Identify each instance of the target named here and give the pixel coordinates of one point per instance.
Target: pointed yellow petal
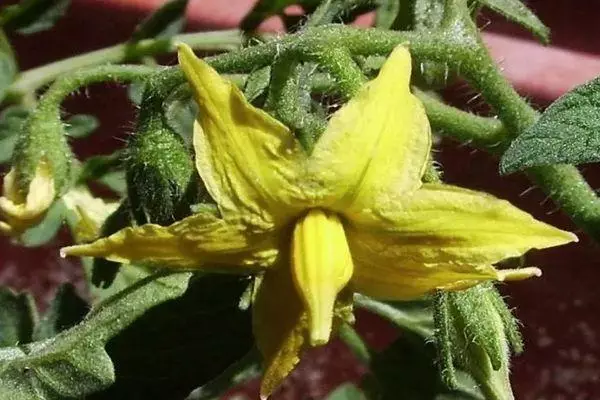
(442, 237)
(279, 324)
(322, 266)
(247, 159)
(385, 279)
(23, 213)
(191, 243)
(447, 224)
(379, 141)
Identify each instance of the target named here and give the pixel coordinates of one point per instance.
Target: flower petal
(322, 267)
(279, 323)
(248, 160)
(385, 279)
(379, 141)
(88, 212)
(23, 213)
(443, 224)
(191, 243)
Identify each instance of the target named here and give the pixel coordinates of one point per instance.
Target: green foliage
(66, 310)
(346, 391)
(81, 125)
(75, 363)
(407, 370)
(18, 317)
(257, 83)
(566, 133)
(516, 11)
(46, 230)
(180, 110)
(165, 22)
(8, 65)
(267, 8)
(32, 16)
(182, 343)
(11, 121)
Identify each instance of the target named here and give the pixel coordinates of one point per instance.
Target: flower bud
(160, 170)
(474, 332)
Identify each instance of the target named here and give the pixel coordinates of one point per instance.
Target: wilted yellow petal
(247, 159)
(279, 322)
(443, 224)
(90, 213)
(20, 212)
(322, 266)
(191, 243)
(378, 142)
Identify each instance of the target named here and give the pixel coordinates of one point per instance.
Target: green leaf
(135, 91)
(180, 111)
(182, 343)
(266, 8)
(32, 16)
(66, 310)
(387, 12)
(414, 316)
(516, 11)
(407, 370)
(81, 125)
(346, 391)
(11, 121)
(18, 317)
(8, 65)
(75, 363)
(568, 132)
(115, 181)
(257, 83)
(46, 230)
(165, 22)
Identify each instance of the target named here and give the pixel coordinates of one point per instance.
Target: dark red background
(559, 311)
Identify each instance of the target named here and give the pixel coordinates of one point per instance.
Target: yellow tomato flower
(22, 212)
(352, 216)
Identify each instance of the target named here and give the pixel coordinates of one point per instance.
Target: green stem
(34, 79)
(354, 342)
(289, 100)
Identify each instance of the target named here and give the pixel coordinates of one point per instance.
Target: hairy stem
(30, 81)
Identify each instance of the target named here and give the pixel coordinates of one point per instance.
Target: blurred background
(559, 311)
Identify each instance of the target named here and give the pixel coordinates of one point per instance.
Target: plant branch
(31, 80)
